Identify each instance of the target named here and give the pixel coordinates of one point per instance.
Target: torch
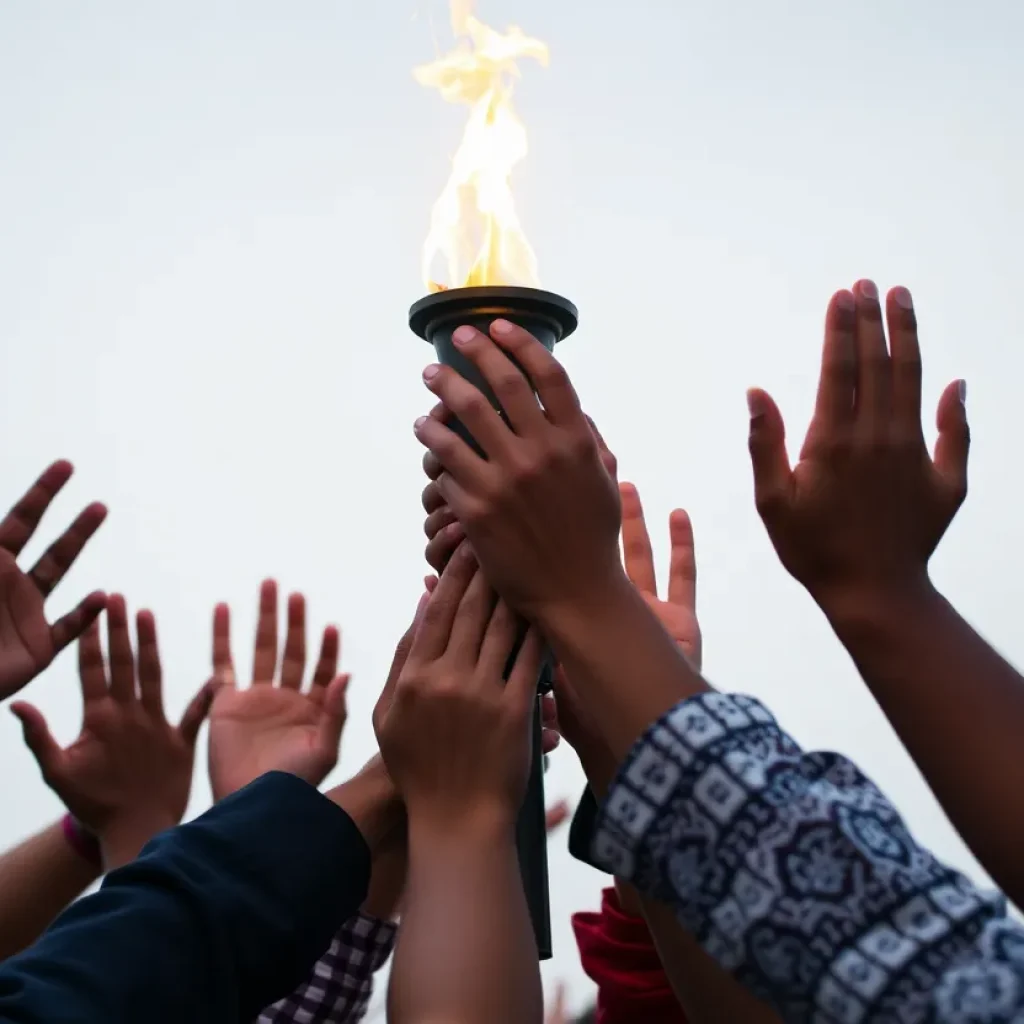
(549, 318)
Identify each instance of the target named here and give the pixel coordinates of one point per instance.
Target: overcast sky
(211, 215)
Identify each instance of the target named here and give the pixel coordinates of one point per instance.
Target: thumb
(196, 712)
(37, 735)
(954, 442)
(768, 456)
(334, 714)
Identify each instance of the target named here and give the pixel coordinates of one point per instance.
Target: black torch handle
(532, 844)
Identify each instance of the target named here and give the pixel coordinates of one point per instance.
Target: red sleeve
(617, 953)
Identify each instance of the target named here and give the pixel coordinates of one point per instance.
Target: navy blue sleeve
(215, 919)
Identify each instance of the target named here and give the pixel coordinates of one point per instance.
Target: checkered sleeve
(339, 989)
(801, 879)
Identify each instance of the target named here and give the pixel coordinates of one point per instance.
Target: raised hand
(129, 773)
(541, 510)
(267, 727)
(28, 643)
(678, 614)
(866, 505)
(455, 739)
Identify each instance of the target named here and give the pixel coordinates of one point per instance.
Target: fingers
(455, 456)
(38, 738)
(545, 373)
(767, 443)
(150, 679)
(441, 517)
(954, 440)
(431, 466)
(471, 621)
(91, 669)
(874, 369)
(327, 663)
(431, 640)
(20, 523)
(70, 627)
(119, 649)
(431, 497)
(837, 383)
(61, 554)
(557, 814)
(335, 712)
(223, 666)
(636, 542)
(521, 688)
(196, 712)
(401, 656)
(549, 740)
(439, 549)
(264, 662)
(472, 408)
(682, 572)
(906, 360)
(498, 642)
(505, 379)
(294, 661)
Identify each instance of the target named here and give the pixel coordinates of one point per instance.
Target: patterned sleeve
(799, 877)
(339, 989)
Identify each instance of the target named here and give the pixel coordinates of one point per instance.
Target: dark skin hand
(856, 522)
(28, 643)
(129, 773)
(542, 514)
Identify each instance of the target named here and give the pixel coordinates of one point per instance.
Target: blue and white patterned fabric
(798, 876)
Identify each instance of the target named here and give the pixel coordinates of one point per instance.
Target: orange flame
(474, 229)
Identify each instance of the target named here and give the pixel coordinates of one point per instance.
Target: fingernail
(431, 371)
(463, 335)
(845, 301)
(754, 406)
(502, 327)
(962, 391)
(868, 290)
(418, 425)
(902, 298)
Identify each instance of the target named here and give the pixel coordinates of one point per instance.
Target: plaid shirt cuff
(339, 989)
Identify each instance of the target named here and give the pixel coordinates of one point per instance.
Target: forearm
(622, 663)
(954, 702)
(38, 879)
(707, 993)
(466, 951)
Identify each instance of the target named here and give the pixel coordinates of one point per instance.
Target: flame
(474, 229)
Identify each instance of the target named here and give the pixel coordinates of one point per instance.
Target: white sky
(211, 224)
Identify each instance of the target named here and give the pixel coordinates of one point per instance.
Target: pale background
(210, 221)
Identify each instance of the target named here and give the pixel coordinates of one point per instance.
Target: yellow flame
(474, 229)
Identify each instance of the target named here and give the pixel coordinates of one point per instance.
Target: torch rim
(438, 308)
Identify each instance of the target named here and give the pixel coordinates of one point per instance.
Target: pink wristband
(82, 842)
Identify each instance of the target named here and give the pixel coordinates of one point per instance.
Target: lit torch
(491, 273)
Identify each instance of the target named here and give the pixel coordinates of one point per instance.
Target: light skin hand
(128, 775)
(456, 740)
(28, 643)
(270, 727)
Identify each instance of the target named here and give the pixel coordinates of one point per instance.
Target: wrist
(860, 609)
(82, 841)
(565, 620)
(484, 825)
(372, 802)
(121, 842)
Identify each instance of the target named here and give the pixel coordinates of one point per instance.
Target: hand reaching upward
(128, 774)
(678, 613)
(28, 643)
(271, 727)
(866, 505)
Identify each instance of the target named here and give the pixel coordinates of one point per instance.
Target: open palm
(270, 727)
(28, 643)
